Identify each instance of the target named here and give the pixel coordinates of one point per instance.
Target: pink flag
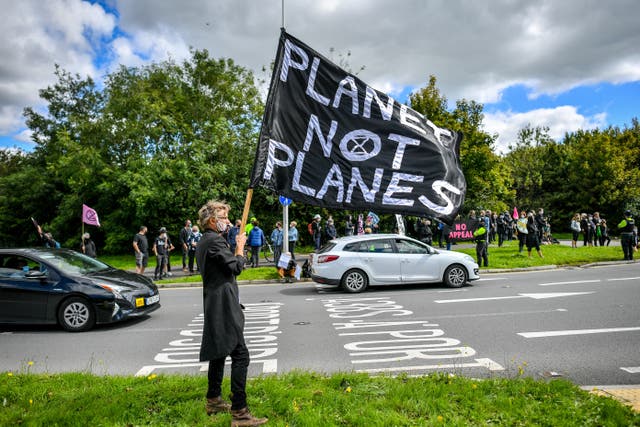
(515, 213)
(89, 216)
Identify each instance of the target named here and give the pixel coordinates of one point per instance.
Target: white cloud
(559, 120)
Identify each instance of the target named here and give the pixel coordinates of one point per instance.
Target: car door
(417, 263)
(378, 259)
(23, 295)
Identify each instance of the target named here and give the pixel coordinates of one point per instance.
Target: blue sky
(567, 65)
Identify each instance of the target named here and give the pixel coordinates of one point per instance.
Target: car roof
(366, 237)
(31, 251)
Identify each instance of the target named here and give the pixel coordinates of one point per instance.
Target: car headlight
(469, 258)
(114, 289)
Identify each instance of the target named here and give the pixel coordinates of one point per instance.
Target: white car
(355, 262)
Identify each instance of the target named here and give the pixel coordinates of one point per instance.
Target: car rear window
(327, 247)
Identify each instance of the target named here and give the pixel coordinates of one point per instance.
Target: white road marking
(545, 334)
(481, 363)
(569, 283)
(623, 278)
(632, 370)
(534, 296)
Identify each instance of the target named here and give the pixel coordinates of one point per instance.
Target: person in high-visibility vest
(480, 235)
(627, 238)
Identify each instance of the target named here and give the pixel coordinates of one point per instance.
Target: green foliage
(589, 171)
(157, 141)
(306, 399)
(150, 148)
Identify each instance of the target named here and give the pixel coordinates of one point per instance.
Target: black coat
(223, 316)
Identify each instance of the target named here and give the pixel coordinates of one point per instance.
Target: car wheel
(354, 281)
(76, 315)
(455, 276)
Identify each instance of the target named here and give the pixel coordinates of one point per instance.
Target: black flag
(330, 140)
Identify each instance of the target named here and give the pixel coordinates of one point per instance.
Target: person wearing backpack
(256, 241)
(533, 240)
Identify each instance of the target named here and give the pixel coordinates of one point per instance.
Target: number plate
(147, 301)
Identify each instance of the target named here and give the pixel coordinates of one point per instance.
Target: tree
(487, 183)
(151, 147)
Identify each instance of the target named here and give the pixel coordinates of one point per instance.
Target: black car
(62, 286)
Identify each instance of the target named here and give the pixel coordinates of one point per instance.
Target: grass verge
(306, 399)
(508, 256)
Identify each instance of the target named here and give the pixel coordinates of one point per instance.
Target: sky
(563, 64)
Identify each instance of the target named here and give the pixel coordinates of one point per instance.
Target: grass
(306, 399)
(508, 256)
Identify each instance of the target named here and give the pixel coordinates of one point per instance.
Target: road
(582, 324)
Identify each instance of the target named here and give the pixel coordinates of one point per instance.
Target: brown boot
(216, 405)
(242, 418)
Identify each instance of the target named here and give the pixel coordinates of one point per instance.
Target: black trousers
(627, 241)
(192, 257)
(239, 364)
(482, 253)
(522, 239)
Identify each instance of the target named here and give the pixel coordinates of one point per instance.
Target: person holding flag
(88, 247)
(89, 216)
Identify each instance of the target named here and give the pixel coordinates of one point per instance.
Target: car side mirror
(35, 274)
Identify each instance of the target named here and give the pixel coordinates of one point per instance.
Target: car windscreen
(73, 262)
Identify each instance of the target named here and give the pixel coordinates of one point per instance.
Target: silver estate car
(355, 262)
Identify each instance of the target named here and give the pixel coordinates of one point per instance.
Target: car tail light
(327, 258)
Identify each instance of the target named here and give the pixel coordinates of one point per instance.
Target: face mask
(221, 226)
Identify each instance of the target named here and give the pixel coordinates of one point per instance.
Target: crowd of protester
(532, 229)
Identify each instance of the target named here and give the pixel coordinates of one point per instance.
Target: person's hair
(211, 210)
(86, 236)
(293, 223)
(142, 228)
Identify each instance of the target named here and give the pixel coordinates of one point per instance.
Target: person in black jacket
(88, 247)
(480, 236)
(627, 236)
(533, 239)
(223, 332)
(185, 232)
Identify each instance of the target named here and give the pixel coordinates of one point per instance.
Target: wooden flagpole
(245, 211)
